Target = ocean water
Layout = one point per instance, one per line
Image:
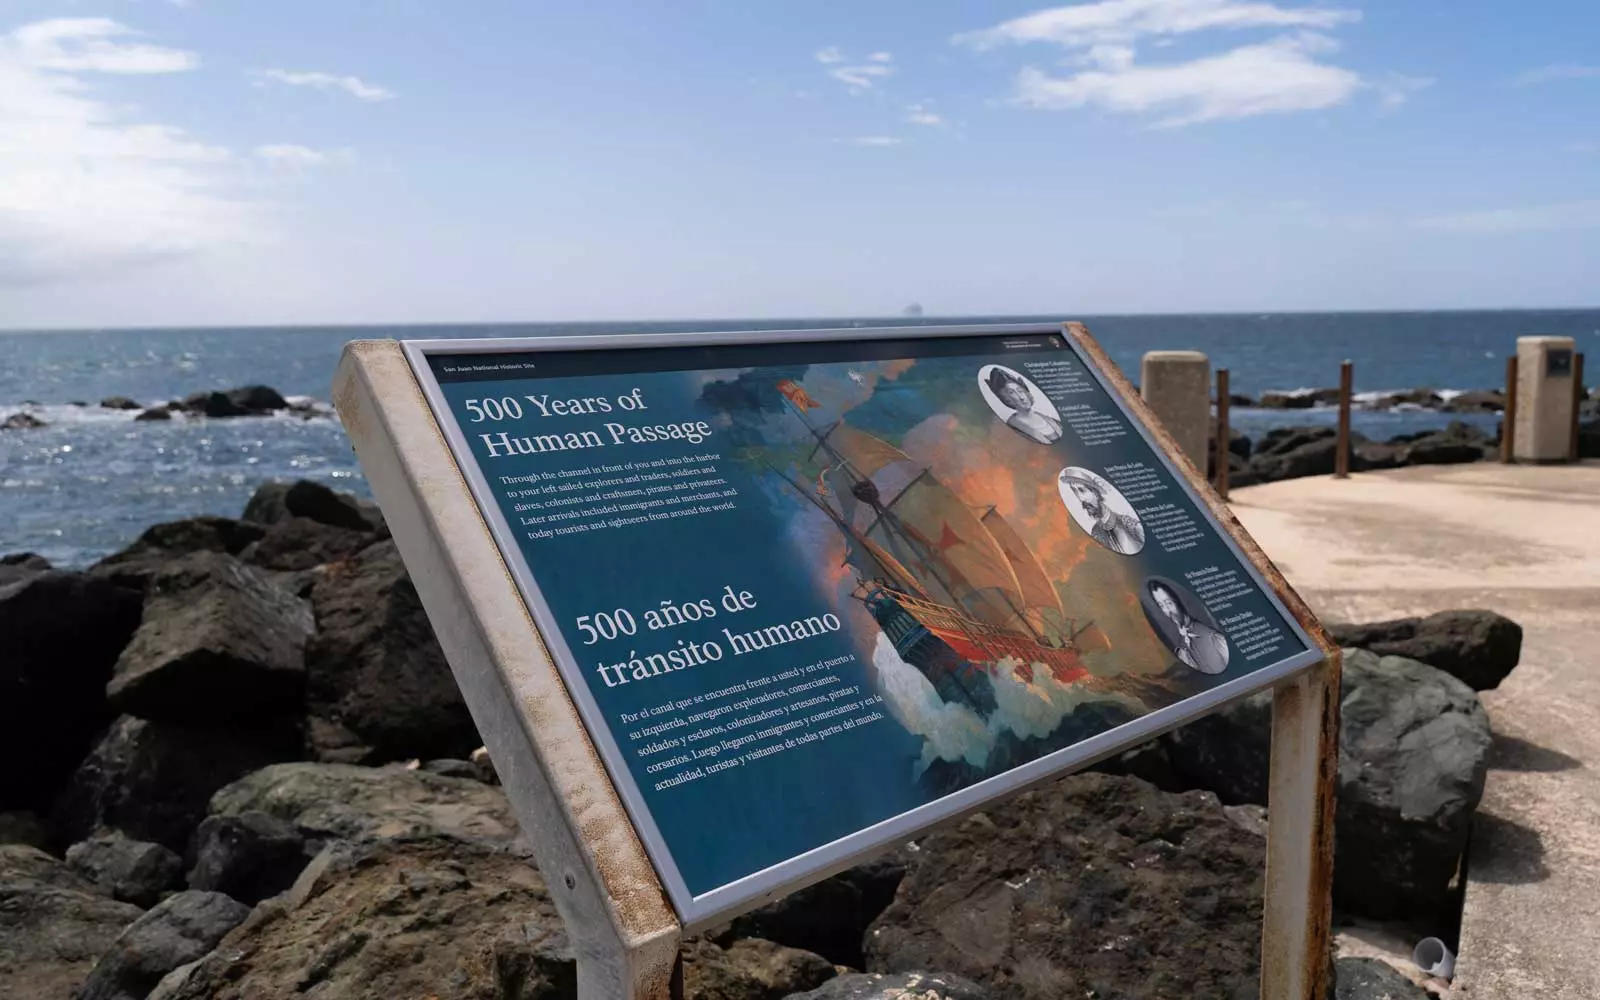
(93, 479)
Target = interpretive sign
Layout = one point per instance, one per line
(812, 591)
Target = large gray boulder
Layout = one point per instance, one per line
(1227, 752)
(327, 802)
(299, 543)
(1093, 886)
(218, 643)
(21, 565)
(1413, 754)
(160, 544)
(378, 686)
(279, 501)
(60, 633)
(395, 919)
(1478, 648)
(1459, 442)
(153, 780)
(749, 969)
(182, 929)
(133, 871)
(54, 925)
(900, 986)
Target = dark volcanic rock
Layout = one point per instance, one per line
(248, 401)
(155, 413)
(153, 780)
(1227, 752)
(379, 688)
(299, 543)
(21, 421)
(120, 403)
(1413, 752)
(20, 566)
(130, 870)
(1315, 457)
(135, 565)
(750, 969)
(1478, 648)
(1477, 401)
(1371, 979)
(1424, 397)
(830, 917)
(1287, 401)
(451, 768)
(54, 925)
(277, 501)
(182, 929)
(901, 986)
(324, 802)
(1093, 886)
(1283, 440)
(258, 398)
(60, 633)
(218, 643)
(212, 404)
(1458, 442)
(249, 856)
(23, 826)
(392, 919)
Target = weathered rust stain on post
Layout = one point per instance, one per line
(1224, 451)
(1341, 459)
(1508, 416)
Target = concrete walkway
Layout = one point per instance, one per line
(1523, 541)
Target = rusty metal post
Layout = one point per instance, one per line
(1341, 461)
(1224, 453)
(1508, 416)
(1577, 403)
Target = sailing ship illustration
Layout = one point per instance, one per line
(954, 587)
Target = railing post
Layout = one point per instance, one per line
(1341, 462)
(1508, 416)
(1224, 452)
(1577, 403)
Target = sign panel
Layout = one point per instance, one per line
(814, 590)
(1558, 362)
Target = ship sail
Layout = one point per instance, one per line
(1038, 593)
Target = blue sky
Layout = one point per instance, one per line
(218, 161)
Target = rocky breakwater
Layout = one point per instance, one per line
(244, 401)
(1294, 452)
(255, 778)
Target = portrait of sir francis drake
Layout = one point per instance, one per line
(1100, 510)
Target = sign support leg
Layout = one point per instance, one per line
(1297, 918)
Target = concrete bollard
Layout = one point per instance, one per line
(1177, 386)
(1544, 399)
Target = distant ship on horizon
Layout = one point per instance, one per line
(913, 311)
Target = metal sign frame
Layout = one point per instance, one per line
(412, 456)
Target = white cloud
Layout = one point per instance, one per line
(85, 188)
(1535, 218)
(1273, 77)
(1281, 74)
(1559, 71)
(862, 74)
(352, 85)
(1124, 21)
(93, 45)
(872, 140)
(295, 156)
(921, 114)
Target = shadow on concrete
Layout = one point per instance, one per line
(1509, 753)
(1505, 853)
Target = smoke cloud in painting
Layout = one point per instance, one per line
(1026, 709)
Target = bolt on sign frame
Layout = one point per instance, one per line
(597, 836)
